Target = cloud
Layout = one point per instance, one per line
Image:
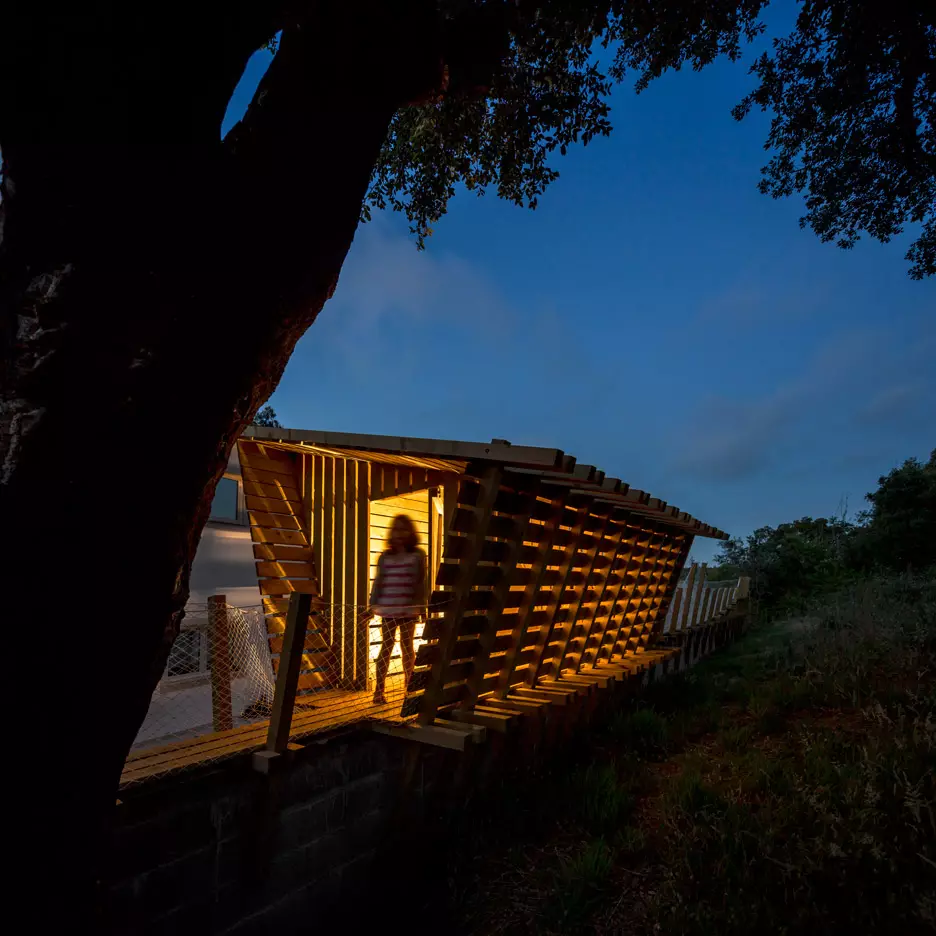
(388, 292)
(731, 440)
(896, 403)
(751, 301)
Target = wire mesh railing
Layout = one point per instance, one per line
(217, 693)
(190, 699)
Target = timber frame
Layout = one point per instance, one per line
(549, 581)
(548, 570)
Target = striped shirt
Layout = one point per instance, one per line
(398, 588)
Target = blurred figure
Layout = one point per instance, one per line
(399, 598)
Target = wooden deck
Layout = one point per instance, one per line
(320, 712)
(334, 709)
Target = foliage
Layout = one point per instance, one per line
(853, 93)
(793, 562)
(266, 418)
(816, 816)
(900, 528)
(828, 826)
(852, 90)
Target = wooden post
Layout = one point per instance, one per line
(683, 624)
(677, 604)
(287, 677)
(696, 617)
(219, 653)
(362, 575)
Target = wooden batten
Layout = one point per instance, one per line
(541, 575)
(283, 554)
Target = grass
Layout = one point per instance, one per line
(784, 785)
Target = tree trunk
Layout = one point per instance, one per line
(152, 293)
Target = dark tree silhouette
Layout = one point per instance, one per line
(267, 418)
(148, 268)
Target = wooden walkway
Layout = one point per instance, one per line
(336, 709)
(327, 711)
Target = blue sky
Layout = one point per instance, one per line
(655, 316)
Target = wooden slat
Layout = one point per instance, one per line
(346, 504)
(520, 527)
(274, 521)
(637, 586)
(285, 537)
(687, 599)
(276, 623)
(556, 592)
(286, 586)
(274, 505)
(310, 661)
(312, 642)
(677, 609)
(387, 510)
(617, 581)
(274, 553)
(362, 574)
(651, 599)
(700, 591)
(633, 561)
(490, 484)
(669, 586)
(532, 594)
(600, 611)
(565, 633)
(285, 569)
(279, 491)
(327, 573)
(649, 584)
(257, 462)
(311, 680)
(259, 476)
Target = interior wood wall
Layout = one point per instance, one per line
(415, 505)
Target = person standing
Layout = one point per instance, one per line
(398, 596)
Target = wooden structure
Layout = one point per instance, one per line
(547, 577)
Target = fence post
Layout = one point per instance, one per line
(685, 622)
(287, 676)
(696, 618)
(222, 716)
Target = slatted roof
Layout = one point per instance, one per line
(450, 455)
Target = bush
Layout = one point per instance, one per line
(831, 827)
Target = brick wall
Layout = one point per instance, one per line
(230, 851)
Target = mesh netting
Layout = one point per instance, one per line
(215, 698)
(190, 700)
